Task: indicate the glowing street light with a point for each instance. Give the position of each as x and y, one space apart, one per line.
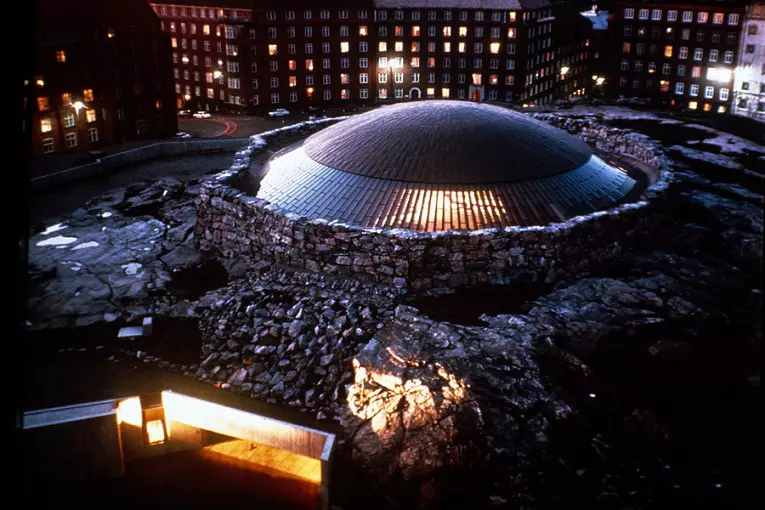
600 80
564 70
217 74
187 97
78 106
40 82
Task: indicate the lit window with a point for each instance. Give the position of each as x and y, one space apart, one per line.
398 46
461 47
90 115
447 31
293 81
667 51
45 125
494 47
693 105
463 31
382 46
493 79
382 62
447 47
345 47
363 30
61 56
382 93
345 94
42 103
702 17
415 31
272 50
431 92
415 61
696 72
717 18
476 78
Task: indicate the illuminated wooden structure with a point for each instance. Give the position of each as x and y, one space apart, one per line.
94 441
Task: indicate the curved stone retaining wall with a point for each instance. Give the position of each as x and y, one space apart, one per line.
238 225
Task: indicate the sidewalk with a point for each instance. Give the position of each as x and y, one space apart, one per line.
52 163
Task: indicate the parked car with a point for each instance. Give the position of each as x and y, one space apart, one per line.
351 108
202 115
184 113
279 112
181 135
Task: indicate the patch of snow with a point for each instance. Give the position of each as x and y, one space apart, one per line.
89 244
131 268
105 214
110 317
53 228
57 241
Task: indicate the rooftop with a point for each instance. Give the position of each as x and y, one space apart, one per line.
442 165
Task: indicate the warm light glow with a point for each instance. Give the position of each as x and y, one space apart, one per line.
129 411
187 97
110 33
246 454
217 74
363 30
693 105
719 74
185 59
564 70
494 47
345 47
594 77
78 106
220 62
155 431
310 90
272 49
40 82
378 397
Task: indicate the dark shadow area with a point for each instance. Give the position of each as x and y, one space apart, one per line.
466 305
193 282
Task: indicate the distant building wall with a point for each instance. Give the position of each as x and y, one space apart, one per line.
749 80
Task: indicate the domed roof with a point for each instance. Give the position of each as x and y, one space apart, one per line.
447 142
439 166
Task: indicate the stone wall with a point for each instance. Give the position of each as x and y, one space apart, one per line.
238 225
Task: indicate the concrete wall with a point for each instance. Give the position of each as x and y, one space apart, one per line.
237 225
113 162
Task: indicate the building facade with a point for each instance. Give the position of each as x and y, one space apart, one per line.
212 52
573 34
749 79
680 54
305 53
102 75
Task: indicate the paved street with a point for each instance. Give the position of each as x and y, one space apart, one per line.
237 126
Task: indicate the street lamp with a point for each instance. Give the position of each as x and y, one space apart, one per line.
78 106
564 70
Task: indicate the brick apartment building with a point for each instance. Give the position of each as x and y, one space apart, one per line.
573 36
212 51
102 75
294 54
681 54
749 79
